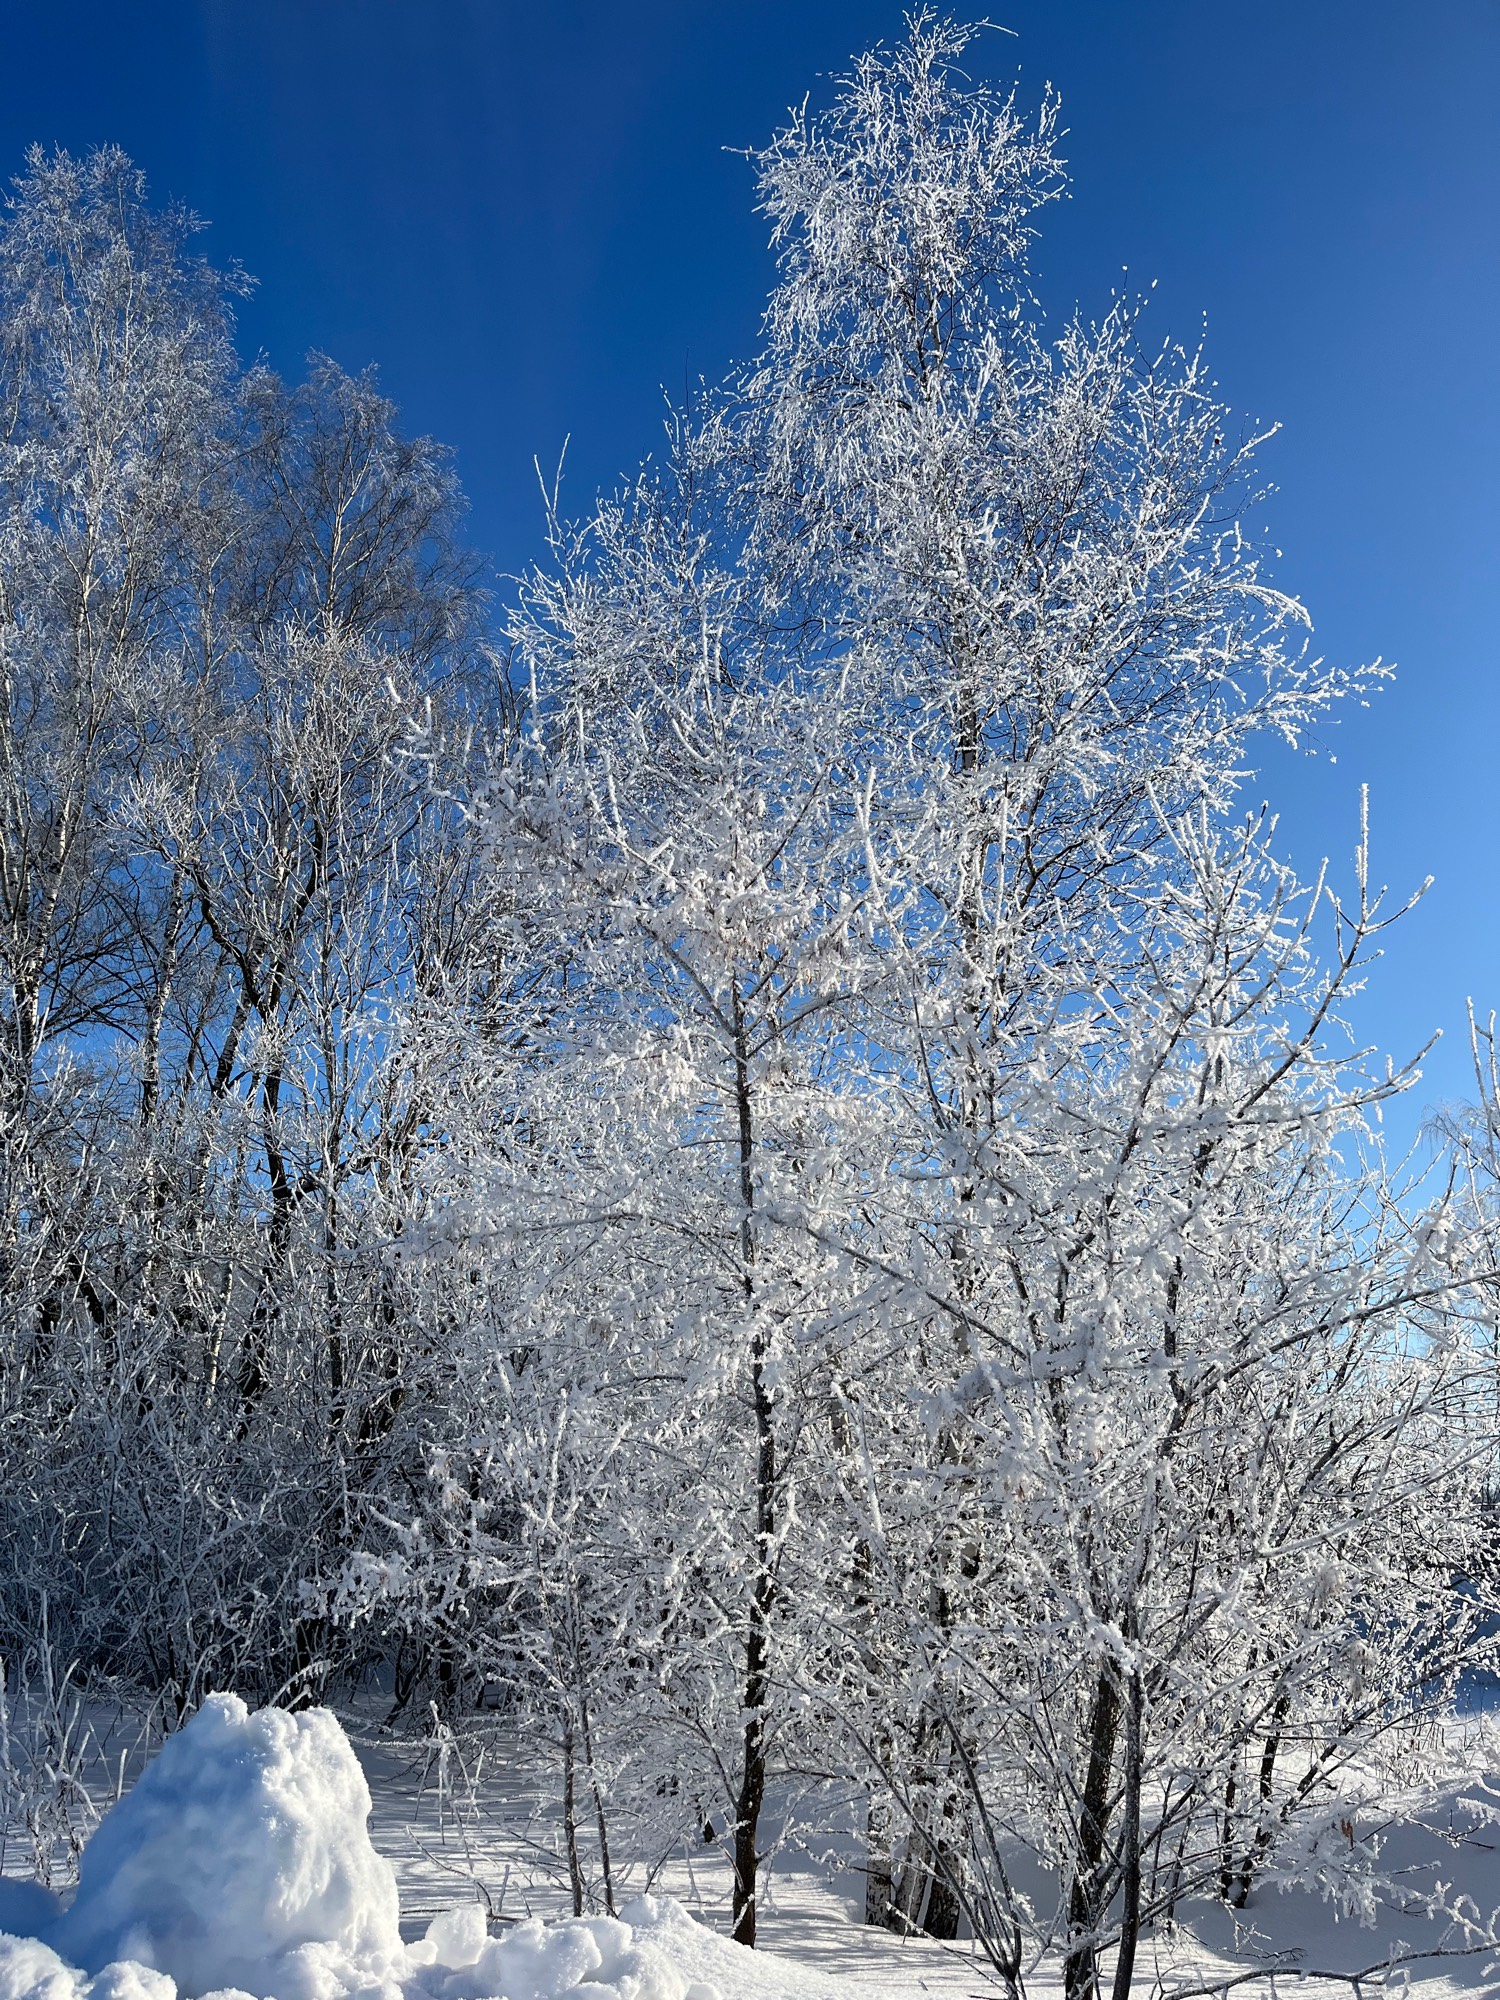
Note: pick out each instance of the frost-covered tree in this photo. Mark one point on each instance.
(115, 363)
(796, 1206)
(223, 605)
(1185, 1538)
(934, 1065)
(1021, 552)
(683, 829)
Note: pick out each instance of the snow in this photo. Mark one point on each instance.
(241, 1867)
(242, 1858)
(31, 1970)
(632, 1957)
(26, 1908)
(241, 1864)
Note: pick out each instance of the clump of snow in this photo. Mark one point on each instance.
(596, 1958)
(715, 1965)
(242, 1859)
(31, 1970)
(240, 1868)
(601, 1957)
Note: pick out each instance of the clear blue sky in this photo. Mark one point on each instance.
(527, 217)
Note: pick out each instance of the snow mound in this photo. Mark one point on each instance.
(31, 1970)
(716, 1965)
(600, 1957)
(596, 1958)
(241, 1859)
(240, 1868)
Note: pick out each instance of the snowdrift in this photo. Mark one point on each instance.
(241, 1865)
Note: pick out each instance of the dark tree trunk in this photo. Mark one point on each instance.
(757, 1686)
(1086, 1893)
(1130, 1856)
(757, 1679)
(570, 1823)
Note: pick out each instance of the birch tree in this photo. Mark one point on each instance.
(971, 603)
(691, 833)
(1189, 1539)
(224, 603)
(1020, 550)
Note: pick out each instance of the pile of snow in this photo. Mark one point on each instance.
(593, 1956)
(241, 1865)
(241, 1859)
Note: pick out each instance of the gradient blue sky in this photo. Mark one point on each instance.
(528, 218)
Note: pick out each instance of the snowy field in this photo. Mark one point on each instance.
(258, 1855)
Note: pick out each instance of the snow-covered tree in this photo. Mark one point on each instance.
(223, 604)
(1172, 1502)
(683, 829)
(1022, 553)
(931, 1046)
(789, 1188)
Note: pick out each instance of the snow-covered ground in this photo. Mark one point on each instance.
(258, 1856)
(499, 1833)
(490, 1828)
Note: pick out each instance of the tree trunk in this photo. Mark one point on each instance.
(757, 1680)
(752, 1790)
(926, 1897)
(1130, 1858)
(1086, 1894)
(880, 1907)
(570, 1823)
(599, 1819)
(1256, 1852)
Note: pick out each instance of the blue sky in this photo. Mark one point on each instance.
(528, 218)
